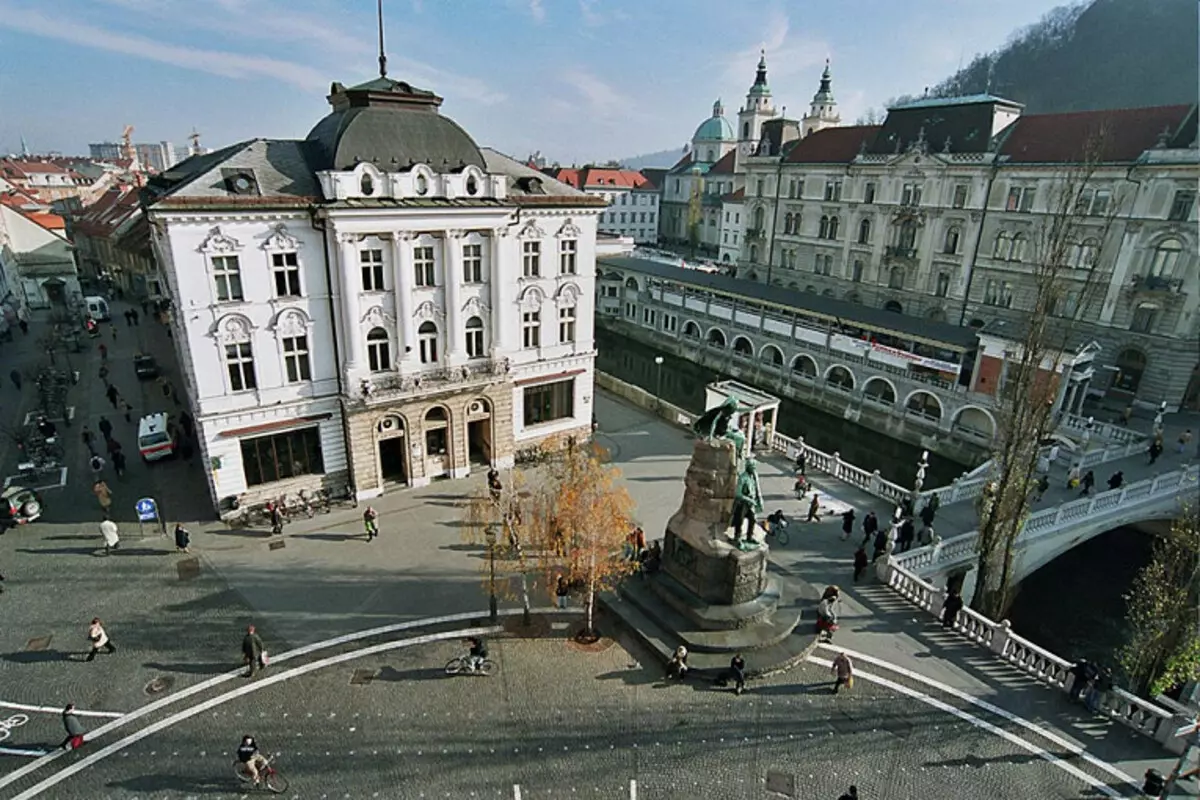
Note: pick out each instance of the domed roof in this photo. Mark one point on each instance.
(716, 128)
(394, 126)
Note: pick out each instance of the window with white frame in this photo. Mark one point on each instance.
(285, 268)
(475, 338)
(1181, 205)
(910, 194)
(1166, 256)
(864, 231)
(1017, 251)
(531, 259)
(869, 193)
(566, 324)
(295, 359)
(472, 263)
(650, 317)
(833, 189)
(568, 249)
(1020, 198)
(424, 266)
(531, 329)
(227, 277)
(427, 340)
(379, 351)
(372, 270)
(239, 360)
(670, 323)
(1145, 317)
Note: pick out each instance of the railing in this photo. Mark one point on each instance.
(384, 388)
(833, 465)
(1101, 430)
(1156, 283)
(1045, 667)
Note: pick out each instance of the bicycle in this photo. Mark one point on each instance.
(777, 534)
(462, 666)
(269, 777)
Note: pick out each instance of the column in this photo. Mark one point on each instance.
(456, 342)
(348, 285)
(503, 325)
(403, 280)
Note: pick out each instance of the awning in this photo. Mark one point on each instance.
(275, 426)
(558, 376)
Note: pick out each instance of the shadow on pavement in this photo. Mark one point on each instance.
(329, 537)
(164, 782)
(94, 551)
(392, 674)
(40, 656)
(193, 668)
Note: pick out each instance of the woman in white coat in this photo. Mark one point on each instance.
(112, 538)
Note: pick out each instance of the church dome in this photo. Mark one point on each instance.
(392, 125)
(716, 128)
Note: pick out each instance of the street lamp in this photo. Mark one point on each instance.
(922, 465)
(1158, 418)
(490, 535)
(658, 362)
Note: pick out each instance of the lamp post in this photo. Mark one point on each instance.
(1158, 418)
(919, 481)
(490, 534)
(658, 362)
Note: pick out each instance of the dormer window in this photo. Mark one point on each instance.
(422, 184)
(367, 185)
(472, 185)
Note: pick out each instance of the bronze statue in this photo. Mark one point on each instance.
(717, 423)
(747, 502)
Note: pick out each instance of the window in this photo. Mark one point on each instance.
(228, 278)
(1181, 206)
(531, 329)
(761, 188)
(1086, 254)
(670, 324)
(472, 263)
(567, 251)
(1144, 318)
(371, 262)
(833, 190)
(286, 270)
(787, 223)
(906, 239)
(910, 194)
(295, 359)
(952, 237)
(823, 228)
(792, 189)
(1166, 256)
(531, 262)
(943, 284)
(998, 293)
(1000, 249)
(427, 338)
(856, 274)
(566, 324)
(1101, 202)
(266, 459)
(423, 265)
(869, 193)
(622, 217)
(896, 278)
(833, 227)
(239, 359)
(650, 317)
(1020, 198)
(549, 402)
(379, 354)
(864, 231)
(960, 195)
(1017, 251)
(475, 338)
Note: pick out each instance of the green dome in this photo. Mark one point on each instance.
(716, 128)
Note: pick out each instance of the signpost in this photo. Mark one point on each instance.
(147, 511)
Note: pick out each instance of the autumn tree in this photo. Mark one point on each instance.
(1065, 285)
(1163, 650)
(508, 513)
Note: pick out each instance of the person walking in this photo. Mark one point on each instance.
(275, 514)
(112, 329)
(1073, 475)
(15, 377)
(951, 607)
(881, 543)
(1083, 672)
(126, 408)
(89, 439)
(97, 465)
(813, 508)
(134, 315)
(1042, 485)
(928, 513)
(827, 614)
(103, 351)
(737, 673)
(112, 536)
(870, 527)
(860, 561)
(253, 654)
(105, 427)
(112, 446)
(801, 463)
(183, 538)
(847, 524)
(1185, 439)
(1116, 480)
(370, 515)
(1089, 481)
(103, 496)
(112, 394)
(24, 326)
(843, 672)
(1155, 450)
(562, 590)
(99, 639)
(904, 538)
(74, 728)
(118, 462)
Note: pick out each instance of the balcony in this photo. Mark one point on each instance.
(1156, 284)
(901, 253)
(386, 388)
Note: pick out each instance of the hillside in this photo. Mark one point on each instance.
(660, 158)
(1106, 54)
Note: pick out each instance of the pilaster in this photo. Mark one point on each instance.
(348, 284)
(404, 285)
(452, 261)
(504, 326)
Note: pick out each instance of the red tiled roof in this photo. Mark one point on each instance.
(26, 166)
(596, 177)
(49, 221)
(567, 175)
(724, 165)
(832, 145)
(1124, 134)
(734, 197)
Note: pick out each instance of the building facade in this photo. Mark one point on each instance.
(633, 200)
(380, 305)
(37, 266)
(940, 212)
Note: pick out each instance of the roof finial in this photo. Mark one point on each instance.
(382, 55)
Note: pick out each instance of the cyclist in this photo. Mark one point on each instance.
(478, 652)
(253, 760)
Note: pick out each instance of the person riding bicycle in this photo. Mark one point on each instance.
(478, 652)
(254, 761)
(776, 523)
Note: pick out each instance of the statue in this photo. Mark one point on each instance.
(717, 423)
(747, 502)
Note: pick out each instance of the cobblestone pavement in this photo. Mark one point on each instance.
(557, 723)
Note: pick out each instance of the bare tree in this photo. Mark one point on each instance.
(506, 516)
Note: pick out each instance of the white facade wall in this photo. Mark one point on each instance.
(630, 213)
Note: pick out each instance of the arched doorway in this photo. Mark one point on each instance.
(479, 431)
(392, 445)
(1131, 364)
(893, 306)
(437, 442)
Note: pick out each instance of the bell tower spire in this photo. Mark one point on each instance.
(755, 112)
(823, 112)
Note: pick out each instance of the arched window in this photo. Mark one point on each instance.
(754, 252)
(631, 284)
(379, 354)
(864, 231)
(427, 336)
(952, 237)
(823, 232)
(1017, 251)
(1000, 249)
(716, 338)
(1131, 364)
(833, 227)
(787, 223)
(475, 338)
(691, 330)
(906, 240)
(758, 218)
(1166, 256)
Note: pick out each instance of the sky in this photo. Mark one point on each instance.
(577, 80)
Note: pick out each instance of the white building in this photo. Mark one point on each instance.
(633, 200)
(383, 303)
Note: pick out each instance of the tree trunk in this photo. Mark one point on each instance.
(591, 596)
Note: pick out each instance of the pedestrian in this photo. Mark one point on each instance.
(562, 591)
(24, 326)
(253, 654)
(165, 386)
(1073, 475)
(1127, 414)
(906, 534)
(843, 672)
(870, 526)
(1083, 672)
(112, 394)
(74, 728)
(275, 514)
(928, 512)
(1156, 448)
(97, 465)
(677, 667)
(1098, 689)
(103, 351)
(112, 537)
(103, 495)
(183, 538)
(113, 330)
(369, 518)
(1185, 439)
(15, 377)
(99, 639)
(851, 794)
(118, 462)
(105, 427)
(737, 673)
(813, 508)
(1042, 485)
(127, 408)
(129, 318)
(881, 542)
(847, 523)
(1116, 480)
(112, 446)
(1089, 480)
(185, 449)
(185, 422)
(950, 608)
(88, 439)
(925, 537)
(860, 562)
(827, 614)
(134, 315)
(801, 462)
(103, 373)
(145, 307)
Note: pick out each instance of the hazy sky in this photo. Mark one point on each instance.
(577, 79)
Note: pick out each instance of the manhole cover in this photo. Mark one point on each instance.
(159, 684)
(278, 544)
(188, 568)
(40, 643)
(781, 783)
(362, 677)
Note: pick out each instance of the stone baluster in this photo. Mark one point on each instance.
(405, 282)
(348, 285)
(1000, 636)
(452, 273)
(836, 466)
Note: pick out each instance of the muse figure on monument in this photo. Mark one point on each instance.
(720, 422)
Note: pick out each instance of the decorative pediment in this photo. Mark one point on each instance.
(475, 307)
(568, 295)
(281, 240)
(569, 230)
(291, 322)
(531, 299)
(377, 317)
(429, 310)
(217, 243)
(531, 230)
(234, 329)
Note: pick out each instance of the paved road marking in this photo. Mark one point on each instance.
(1070, 769)
(633, 790)
(53, 710)
(1073, 748)
(516, 791)
(234, 694)
(15, 751)
(183, 694)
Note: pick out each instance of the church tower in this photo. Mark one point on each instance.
(823, 111)
(758, 109)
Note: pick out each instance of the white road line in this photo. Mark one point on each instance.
(14, 751)
(1073, 748)
(1070, 769)
(633, 790)
(183, 694)
(242, 691)
(516, 791)
(52, 710)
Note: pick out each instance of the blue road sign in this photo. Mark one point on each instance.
(147, 509)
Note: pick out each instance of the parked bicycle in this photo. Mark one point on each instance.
(269, 777)
(463, 665)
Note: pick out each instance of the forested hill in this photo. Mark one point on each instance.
(1102, 54)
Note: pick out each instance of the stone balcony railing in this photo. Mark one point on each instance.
(833, 465)
(1105, 431)
(1143, 716)
(382, 389)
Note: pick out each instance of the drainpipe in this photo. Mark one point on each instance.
(987, 197)
(774, 217)
(320, 224)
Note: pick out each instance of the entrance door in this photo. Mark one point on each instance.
(391, 460)
(479, 441)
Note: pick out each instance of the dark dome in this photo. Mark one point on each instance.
(391, 125)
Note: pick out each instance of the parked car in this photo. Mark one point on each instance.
(19, 506)
(145, 366)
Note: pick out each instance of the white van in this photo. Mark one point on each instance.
(97, 308)
(154, 437)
